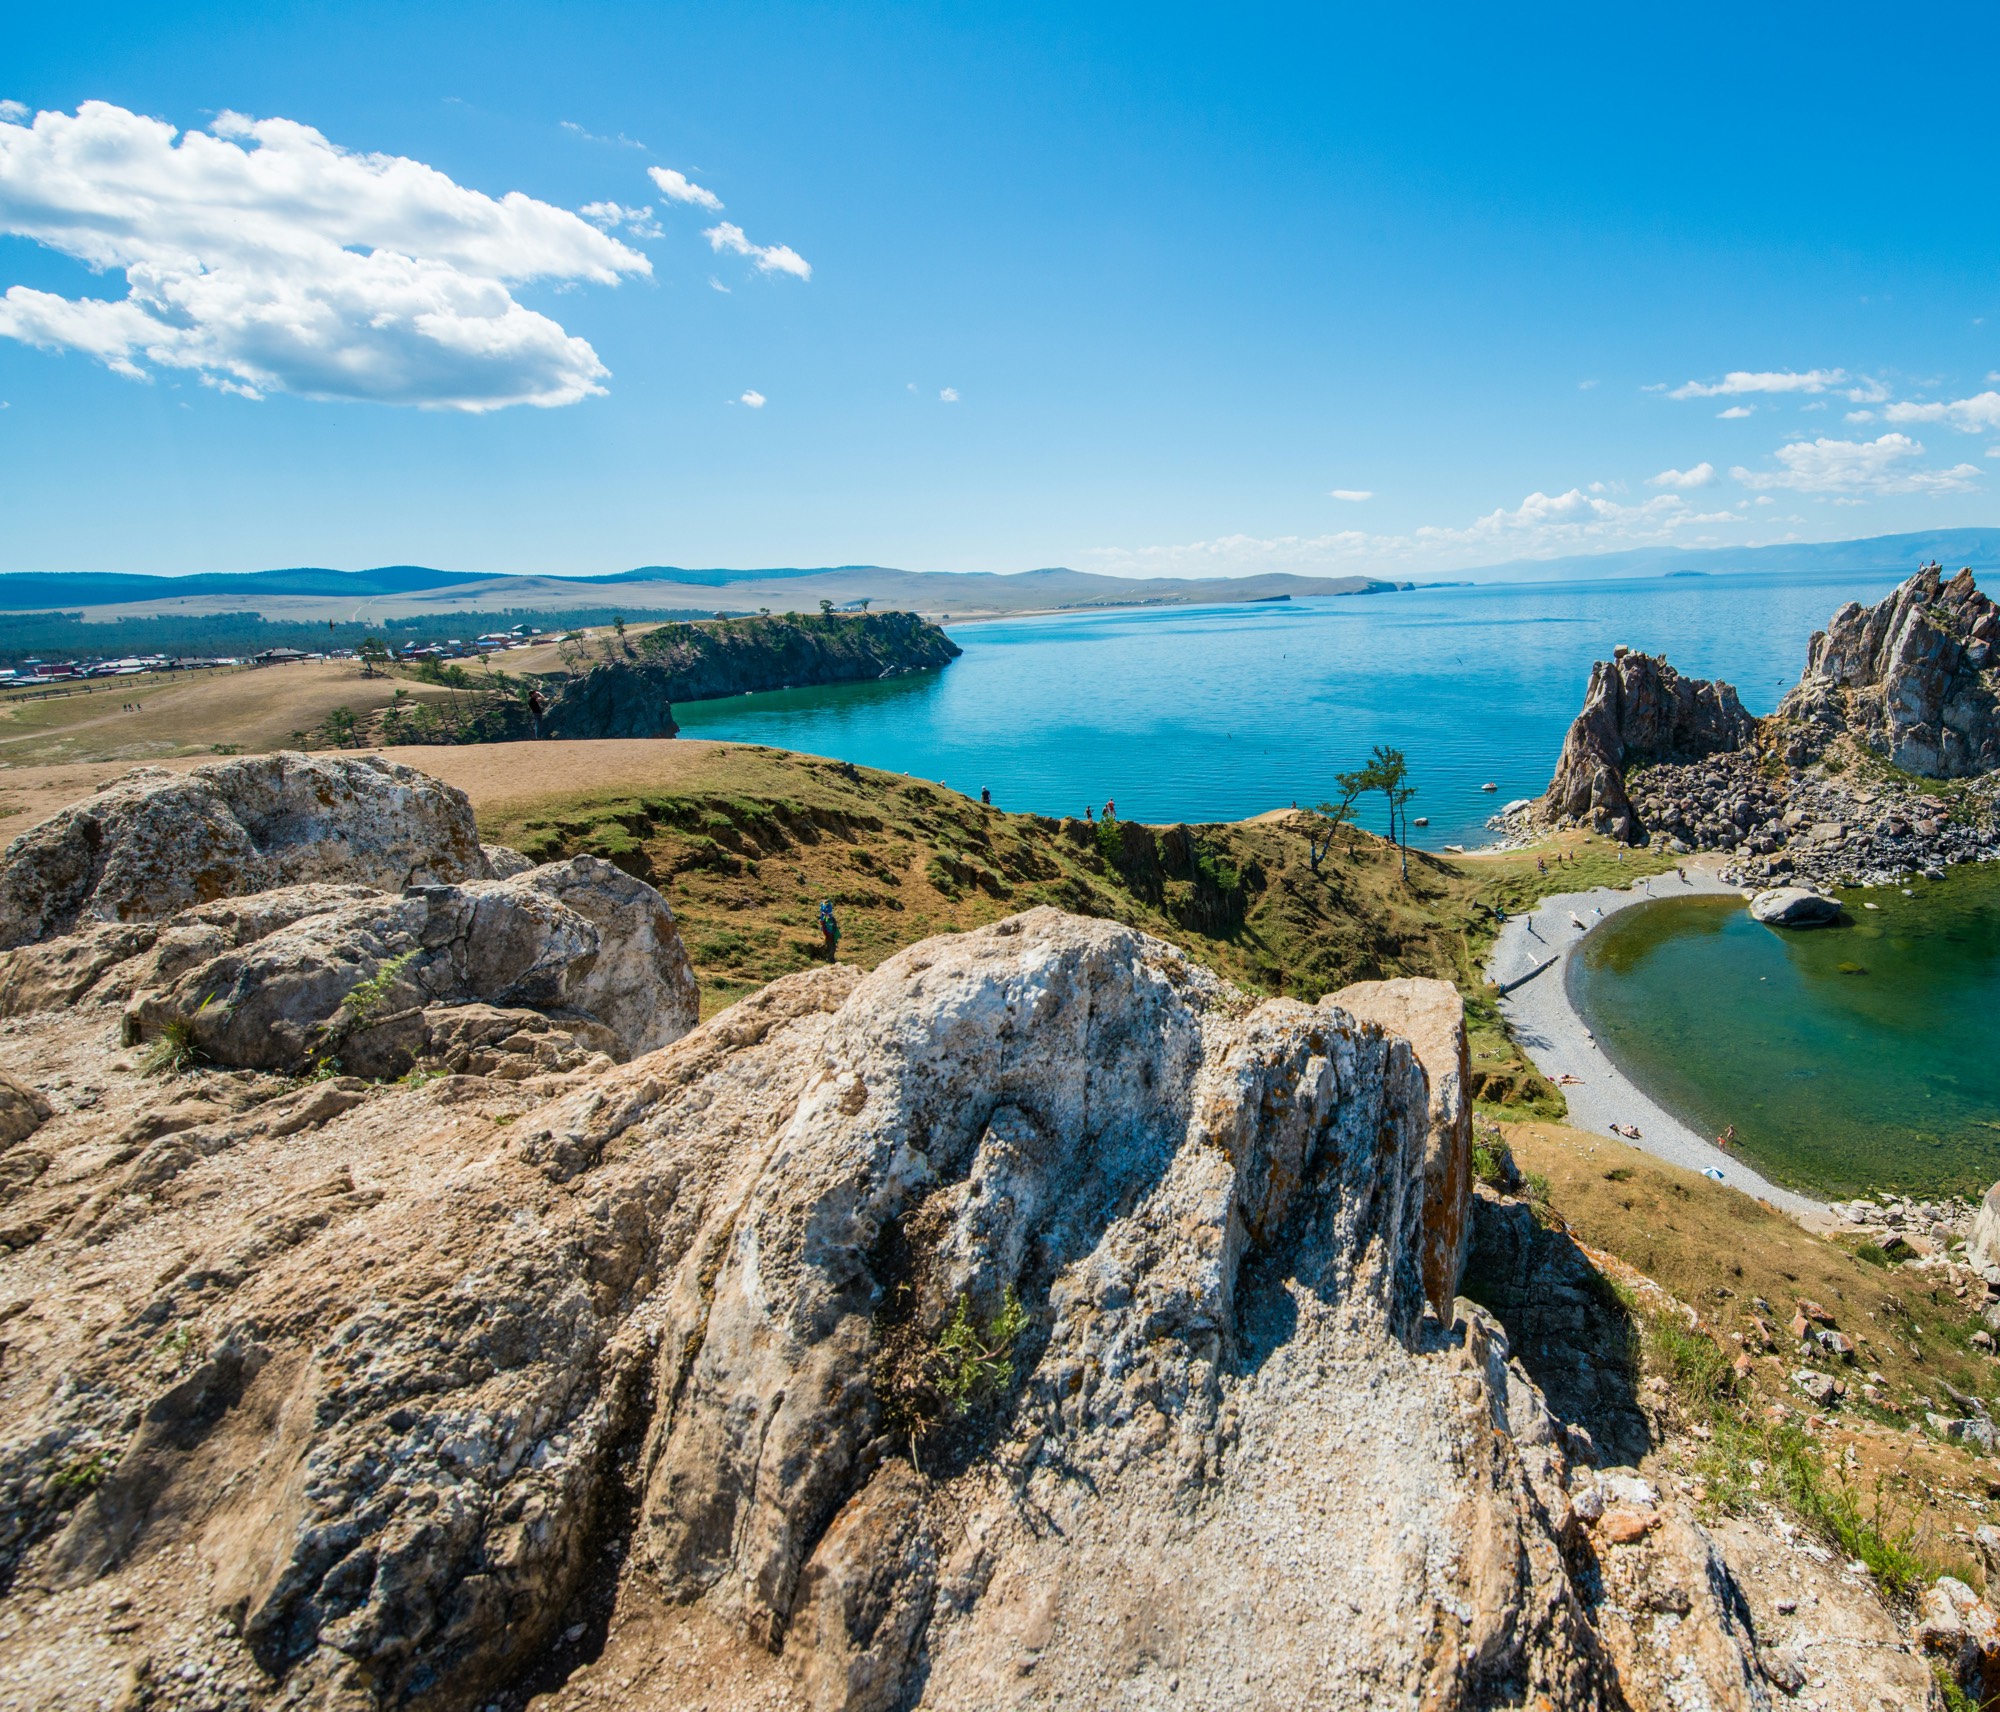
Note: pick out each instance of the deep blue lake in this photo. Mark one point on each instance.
(1218, 713)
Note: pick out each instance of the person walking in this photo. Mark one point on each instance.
(829, 929)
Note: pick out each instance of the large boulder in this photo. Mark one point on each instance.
(155, 842)
(1914, 677)
(338, 978)
(1430, 1015)
(1794, 906)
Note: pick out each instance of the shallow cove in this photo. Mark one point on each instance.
(1849, 1058)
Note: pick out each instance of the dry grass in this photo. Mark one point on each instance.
(1718, 1250)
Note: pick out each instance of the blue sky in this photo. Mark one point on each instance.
(1126, 288)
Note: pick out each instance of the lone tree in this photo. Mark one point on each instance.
(1328, 819)
(1389, 773)
(863, 602)
(374, 656)
(825, 607)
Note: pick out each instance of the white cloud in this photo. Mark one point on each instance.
(1541, 525)
(1736, 413)
(772, 258)
(1585, 385)
(609, 216)
(12, 112)
(1880, 466)
(1700, 476)
(1765, 499)
(1743, 380)
(948, 394)
(753, 398)
(1867, 391)
(715, 284)
(1353, 495)
(678, 187)
(1979, 414)
(266, 259)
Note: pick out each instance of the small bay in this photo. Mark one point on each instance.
(1850, 1057)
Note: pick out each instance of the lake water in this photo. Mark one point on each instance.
(1217, 713)
(1847, 1057)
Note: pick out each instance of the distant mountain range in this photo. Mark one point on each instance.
(1979, 548)
(310, 592)
(316, 593)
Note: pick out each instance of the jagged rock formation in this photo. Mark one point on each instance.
(1035, 1320)
(1912, 678)
(1430, 1015)
(1638, 709)
(156, 842)
(729, 656)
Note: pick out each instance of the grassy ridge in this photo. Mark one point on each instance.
(749, 841)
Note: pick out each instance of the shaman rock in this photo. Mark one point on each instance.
(157, 842)
(1638, 709)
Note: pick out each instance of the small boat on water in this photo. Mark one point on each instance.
(1489, 787)
(1421, 820)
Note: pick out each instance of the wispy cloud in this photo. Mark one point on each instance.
(948, 394)
(754, 399)
(678, 187)
(1882, 466)
(770, 258)
(1739, 381)
(265, 258)
(12, 112)
(1736, 413)
(621, 141)
(1700, 476)
(1353, 495)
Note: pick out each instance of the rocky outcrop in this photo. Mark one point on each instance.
(1035, 1320)
(1913, 678)
(1430, 1015)
(616, 698)
(723, 657)
(1794, 906)
(316, 975)
(1638, 709)
(155, 842)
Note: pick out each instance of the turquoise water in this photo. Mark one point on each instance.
(1847, 1057)
(1217, 713)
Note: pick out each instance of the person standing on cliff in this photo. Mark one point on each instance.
(985, 796)
(829, 929)
(536, 708)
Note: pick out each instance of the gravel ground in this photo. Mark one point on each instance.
(1552, 1033)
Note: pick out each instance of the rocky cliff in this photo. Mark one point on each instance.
(1638, 709)
(1036, 1320)
(1912, 678)
(1911, 681)
(726, 657)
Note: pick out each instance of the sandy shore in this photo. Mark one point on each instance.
(1552, 1033)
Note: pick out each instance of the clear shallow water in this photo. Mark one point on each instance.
(1847, 1057)
(1217, 713)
